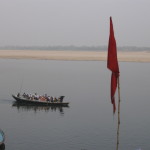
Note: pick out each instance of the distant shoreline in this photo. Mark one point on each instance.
(73, 55)
(75, 48)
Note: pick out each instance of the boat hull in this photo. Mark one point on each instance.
(37, 102)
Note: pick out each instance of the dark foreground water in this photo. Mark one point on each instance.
(88, 124)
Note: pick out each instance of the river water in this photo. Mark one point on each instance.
(88, 123)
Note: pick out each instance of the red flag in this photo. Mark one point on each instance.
(112, 64)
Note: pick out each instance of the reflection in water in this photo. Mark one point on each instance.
(2, 147)
(26, 107)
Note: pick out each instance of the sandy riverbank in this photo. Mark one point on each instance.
(73, 55)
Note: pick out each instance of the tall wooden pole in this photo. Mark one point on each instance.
(117, 147)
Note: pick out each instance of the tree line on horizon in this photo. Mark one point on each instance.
(72, 47)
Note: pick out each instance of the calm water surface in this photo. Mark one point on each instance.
(88, 124)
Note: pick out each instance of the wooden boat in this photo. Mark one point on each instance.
(2, 137)
(21, 99)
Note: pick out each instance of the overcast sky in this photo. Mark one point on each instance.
(74, 22)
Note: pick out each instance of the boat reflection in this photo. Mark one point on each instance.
(2, 146)
(26, 107)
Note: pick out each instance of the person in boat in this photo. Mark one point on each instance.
(24, 95)
(42, 98)
(55, 99)
(27, 96)
(30, 96)
(51, 99)
(48, 98)
(61, 98)
(18, 95)
(58, 99)
(36, 97)
(45, 95)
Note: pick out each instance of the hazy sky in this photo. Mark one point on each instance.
(74, 22)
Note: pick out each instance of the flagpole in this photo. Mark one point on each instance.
(118, 114)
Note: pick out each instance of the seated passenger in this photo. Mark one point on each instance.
(18, 95)
(48, 98)
(24, 95)
(61, 98)
(55, 99)
(51, 99)
(58, 99)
